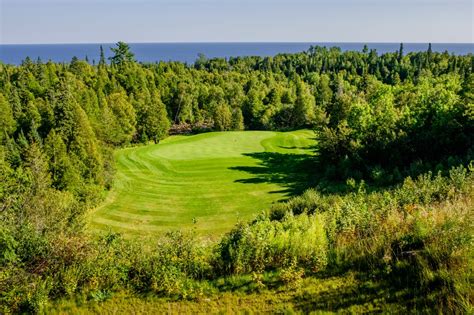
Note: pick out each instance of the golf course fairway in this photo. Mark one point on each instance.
(206, 182)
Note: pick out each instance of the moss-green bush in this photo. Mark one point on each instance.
(265, 244)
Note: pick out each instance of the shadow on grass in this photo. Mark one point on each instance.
(364, 296)
(291, 171)
(296, 173)
(349, 292)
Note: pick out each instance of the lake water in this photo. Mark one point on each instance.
(188, 52)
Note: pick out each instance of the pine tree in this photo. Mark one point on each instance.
(64, 176)
(102, 56)
(400, 52)
(365, 50)
(156, 119)
(120, 119)
(429, 53)
(122, 54)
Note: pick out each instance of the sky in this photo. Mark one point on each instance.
(107, 21)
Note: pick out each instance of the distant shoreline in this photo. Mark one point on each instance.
(243, 42)
(188, 52)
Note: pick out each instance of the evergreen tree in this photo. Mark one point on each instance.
(429, 53)
(122, 54)
(119, 119)
(64, 175)
(102, 56)
(200, 62)
(156, 120)
(400, 52)
(365, 50)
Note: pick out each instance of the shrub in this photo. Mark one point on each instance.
(265, 244)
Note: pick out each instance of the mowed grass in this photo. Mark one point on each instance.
(205, 182)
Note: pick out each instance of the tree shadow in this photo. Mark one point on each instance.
(364, 296)
(296, 173)
(290, 171)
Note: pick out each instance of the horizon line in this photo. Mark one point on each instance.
(237, 42)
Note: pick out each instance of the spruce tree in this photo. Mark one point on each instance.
(102, 56)
(122, 54)
(429, 53)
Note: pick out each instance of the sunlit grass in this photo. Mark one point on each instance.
(205, 182)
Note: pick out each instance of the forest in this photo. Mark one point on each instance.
(386, 222)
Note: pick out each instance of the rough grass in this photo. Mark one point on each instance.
(344, 294)
(207, 182)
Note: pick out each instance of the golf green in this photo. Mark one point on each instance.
(205, 182)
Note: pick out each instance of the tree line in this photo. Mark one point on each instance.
(391, 108)
(60, 122)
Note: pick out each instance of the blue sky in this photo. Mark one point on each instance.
(82, 21)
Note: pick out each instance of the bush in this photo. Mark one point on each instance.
(266, 245)
(418, 236)
(172, 268)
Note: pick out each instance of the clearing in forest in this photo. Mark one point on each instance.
(205, 182)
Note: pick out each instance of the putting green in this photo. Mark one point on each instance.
(205, 182)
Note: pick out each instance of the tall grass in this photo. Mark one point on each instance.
(417, 238)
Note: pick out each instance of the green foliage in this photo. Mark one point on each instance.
(122, 54)
(378, 118)
(172, 269)
(266, 244)
(304, 108)
(7, 122)
(153, 122)
(292, 276)
(119, 119)
(418, 235)
(222, 118)
(237, 120)
(7, 247)
(395, 127)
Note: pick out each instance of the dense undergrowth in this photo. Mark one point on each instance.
(416, 237)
